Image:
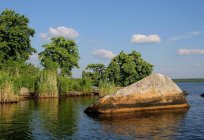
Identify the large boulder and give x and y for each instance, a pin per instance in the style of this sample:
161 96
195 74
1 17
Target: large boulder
153 92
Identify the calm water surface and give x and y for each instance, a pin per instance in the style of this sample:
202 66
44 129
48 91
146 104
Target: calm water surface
64 119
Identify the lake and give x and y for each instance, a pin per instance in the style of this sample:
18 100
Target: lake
65 119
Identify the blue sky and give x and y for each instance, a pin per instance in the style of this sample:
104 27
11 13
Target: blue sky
168 33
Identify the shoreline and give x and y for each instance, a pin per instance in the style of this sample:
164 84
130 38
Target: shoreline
25 98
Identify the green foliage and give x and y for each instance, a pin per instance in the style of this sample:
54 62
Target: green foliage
4 77
67 85
15 37
86 85
60 53
22 75
28 78
47 84
107 88
7 89
123 70
64 85
94 72
126 69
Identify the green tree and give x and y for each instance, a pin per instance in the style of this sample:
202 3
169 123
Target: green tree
60 54
126 69
15 37
95 72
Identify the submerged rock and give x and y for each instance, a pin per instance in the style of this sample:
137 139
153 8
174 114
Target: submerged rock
185 92
153 92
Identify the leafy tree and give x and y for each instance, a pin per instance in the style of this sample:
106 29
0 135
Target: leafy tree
95 72
126 69
15 37
60 54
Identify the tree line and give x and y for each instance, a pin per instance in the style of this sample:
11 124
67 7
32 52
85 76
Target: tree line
61 55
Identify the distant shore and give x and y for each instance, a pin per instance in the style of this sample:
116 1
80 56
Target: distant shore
189 80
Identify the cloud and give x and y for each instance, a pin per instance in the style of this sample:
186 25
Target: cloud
140 39
191 51
102 53
197 65
185 36
60 31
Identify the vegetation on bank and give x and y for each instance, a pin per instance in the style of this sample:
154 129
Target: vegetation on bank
59 57
106 88
6 89
40 83
68 86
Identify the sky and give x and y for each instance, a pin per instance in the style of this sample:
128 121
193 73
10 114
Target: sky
168 33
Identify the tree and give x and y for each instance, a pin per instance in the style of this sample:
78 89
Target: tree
60 54
15 37
95 72
126 69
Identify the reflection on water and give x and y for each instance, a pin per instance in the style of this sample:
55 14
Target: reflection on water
148 124
14 120
65 119
40 119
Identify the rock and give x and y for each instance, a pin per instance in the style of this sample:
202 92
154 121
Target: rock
202 95
185 93
153 92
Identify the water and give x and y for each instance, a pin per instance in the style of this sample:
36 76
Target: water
64 119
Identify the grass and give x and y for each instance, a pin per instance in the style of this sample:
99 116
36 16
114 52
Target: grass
106 88
7 89
26 80
67 86
47 84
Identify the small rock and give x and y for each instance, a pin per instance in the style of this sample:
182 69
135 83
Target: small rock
185 92
202 95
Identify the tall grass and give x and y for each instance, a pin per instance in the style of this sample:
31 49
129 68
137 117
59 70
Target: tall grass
47 84
27 78
68 86
7 89
86 85
107 88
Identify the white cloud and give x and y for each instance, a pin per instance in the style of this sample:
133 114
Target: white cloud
185 36
197 65
60 31
102 53
140 39
190 51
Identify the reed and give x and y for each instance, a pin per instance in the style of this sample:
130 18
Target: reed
47 84
86 85
7 89
68 86
107 88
